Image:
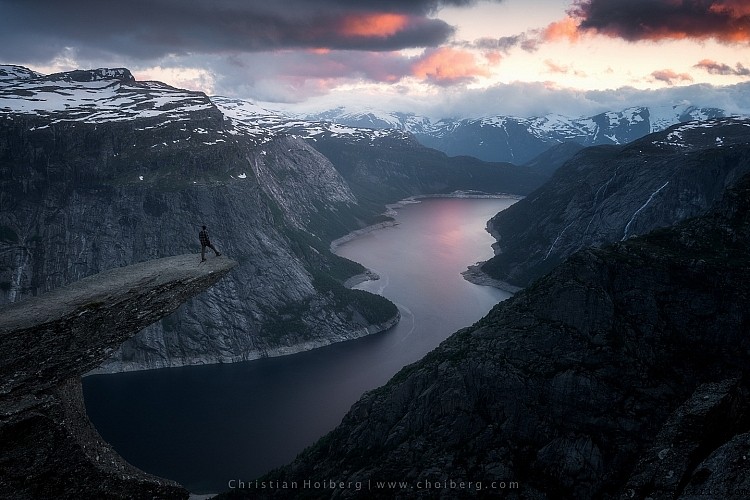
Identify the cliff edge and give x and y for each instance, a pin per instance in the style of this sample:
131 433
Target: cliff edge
48 448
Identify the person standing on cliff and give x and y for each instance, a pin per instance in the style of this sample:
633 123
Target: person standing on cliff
206 242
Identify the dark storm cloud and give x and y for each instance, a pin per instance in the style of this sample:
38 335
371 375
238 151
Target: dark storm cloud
724 20
151 29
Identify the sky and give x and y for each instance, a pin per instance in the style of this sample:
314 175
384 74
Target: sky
440 58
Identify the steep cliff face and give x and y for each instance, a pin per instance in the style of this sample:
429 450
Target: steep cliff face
608 194
86 187
622 373
48 447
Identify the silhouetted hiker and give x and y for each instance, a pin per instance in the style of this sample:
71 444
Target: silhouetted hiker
205 242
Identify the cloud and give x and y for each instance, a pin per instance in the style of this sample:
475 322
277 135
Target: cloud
670 77
562 69
565 29
553 67
539 99
293 76
448 66
152 29
727 21
181 77
716 68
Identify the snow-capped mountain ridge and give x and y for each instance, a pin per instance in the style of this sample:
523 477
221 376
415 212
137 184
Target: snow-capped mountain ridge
253 119
94 96
518 139
700 134
13 72
106 95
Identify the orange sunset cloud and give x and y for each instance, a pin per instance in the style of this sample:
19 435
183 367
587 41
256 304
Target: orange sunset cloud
374 25
565 29
447 65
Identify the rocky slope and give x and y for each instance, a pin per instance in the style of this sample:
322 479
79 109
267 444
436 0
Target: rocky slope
621 374
610 193
48 447
98 170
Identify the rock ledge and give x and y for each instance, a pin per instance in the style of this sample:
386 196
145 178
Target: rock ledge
48 448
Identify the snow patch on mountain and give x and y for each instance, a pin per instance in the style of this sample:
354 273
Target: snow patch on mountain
255 120
711 133
12 72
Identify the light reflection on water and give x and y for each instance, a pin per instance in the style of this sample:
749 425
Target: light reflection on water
205 425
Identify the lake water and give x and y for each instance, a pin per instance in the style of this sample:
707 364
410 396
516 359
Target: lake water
205 425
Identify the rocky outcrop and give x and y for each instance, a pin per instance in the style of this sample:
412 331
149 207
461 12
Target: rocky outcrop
623 372
48 448
608 194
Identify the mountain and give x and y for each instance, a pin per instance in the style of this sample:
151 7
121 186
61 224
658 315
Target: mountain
386 164
99 170
555 157
609 193
623 373
518 140
11 72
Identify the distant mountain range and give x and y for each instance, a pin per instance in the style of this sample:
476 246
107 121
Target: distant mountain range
493 138
518 140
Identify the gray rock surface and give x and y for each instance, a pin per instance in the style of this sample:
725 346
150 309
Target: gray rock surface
48 447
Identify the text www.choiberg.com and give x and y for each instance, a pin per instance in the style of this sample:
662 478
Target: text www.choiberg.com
374 485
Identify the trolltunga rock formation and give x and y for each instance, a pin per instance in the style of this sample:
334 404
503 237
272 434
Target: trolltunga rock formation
48 448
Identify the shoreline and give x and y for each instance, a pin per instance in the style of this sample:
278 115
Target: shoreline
475 275
391 212
359 232
275 352
368 275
